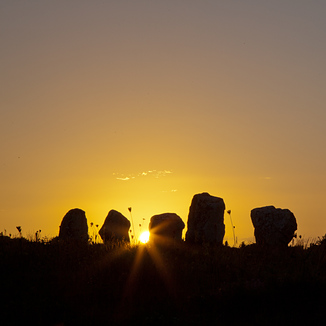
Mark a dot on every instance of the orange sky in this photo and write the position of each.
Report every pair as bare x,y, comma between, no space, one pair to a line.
226,97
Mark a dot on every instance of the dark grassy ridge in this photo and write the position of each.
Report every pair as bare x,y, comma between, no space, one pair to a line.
83,284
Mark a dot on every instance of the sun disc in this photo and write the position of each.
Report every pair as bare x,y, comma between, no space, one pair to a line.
144,237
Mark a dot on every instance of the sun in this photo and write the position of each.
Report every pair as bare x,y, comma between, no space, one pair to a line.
144,237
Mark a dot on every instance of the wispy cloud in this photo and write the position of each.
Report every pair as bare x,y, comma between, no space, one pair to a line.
158,174
123,179
151,173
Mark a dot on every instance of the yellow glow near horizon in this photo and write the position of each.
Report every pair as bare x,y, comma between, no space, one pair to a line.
144,237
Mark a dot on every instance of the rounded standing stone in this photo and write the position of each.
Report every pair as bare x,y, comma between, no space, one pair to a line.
166,227
74,226
115,227
273,226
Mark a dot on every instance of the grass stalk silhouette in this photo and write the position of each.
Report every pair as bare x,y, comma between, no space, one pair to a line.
133,236
233,227
19,228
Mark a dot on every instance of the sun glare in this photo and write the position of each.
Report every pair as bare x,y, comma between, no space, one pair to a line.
144,237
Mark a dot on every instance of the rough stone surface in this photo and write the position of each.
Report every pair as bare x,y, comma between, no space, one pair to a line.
115,227
74,226
273,226
206,220
165,228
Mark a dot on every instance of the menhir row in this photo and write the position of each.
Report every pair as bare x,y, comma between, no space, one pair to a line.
273,226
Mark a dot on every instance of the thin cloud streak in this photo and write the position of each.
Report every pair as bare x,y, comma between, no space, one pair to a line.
151,173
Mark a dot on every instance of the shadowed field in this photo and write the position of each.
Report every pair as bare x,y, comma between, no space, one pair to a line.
87,284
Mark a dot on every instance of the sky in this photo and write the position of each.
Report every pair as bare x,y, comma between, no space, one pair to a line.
115,104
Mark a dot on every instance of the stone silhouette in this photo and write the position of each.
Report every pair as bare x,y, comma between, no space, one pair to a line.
74,226
273,226
115,228
206,220
166,228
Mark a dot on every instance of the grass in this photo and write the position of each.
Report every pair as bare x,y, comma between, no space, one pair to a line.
52,283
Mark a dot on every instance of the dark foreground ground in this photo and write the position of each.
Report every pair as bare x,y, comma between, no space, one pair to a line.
70,284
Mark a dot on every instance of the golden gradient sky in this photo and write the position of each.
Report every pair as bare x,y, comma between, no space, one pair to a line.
181,97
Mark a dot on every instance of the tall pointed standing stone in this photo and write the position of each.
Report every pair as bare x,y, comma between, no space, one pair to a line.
206,220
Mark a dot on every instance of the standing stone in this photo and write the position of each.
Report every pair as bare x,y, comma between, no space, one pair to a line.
206,220
74,226
115,227
273,226
166,228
